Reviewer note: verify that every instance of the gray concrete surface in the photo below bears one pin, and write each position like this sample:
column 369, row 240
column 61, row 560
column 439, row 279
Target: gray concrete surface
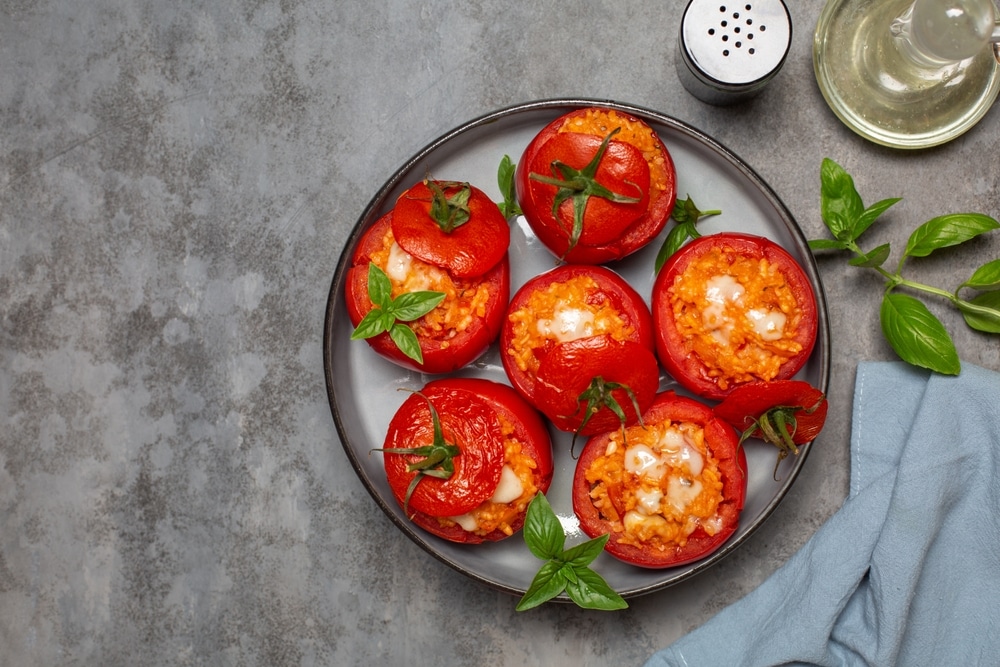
column 177, row 180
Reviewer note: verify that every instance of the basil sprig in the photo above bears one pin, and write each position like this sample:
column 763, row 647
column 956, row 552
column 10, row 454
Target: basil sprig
column 388, row 314
column 686, row 215
column 916, row 334
column 505, row 180
column 565, row 569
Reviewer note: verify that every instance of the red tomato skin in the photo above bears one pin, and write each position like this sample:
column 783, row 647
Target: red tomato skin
column 555, row 236
column 748, row 402
column 464, row 348
column 529, row 429
column 686, row 368
column 568, row 369
column 724, row 445
column 612, row 286
column 469, row 250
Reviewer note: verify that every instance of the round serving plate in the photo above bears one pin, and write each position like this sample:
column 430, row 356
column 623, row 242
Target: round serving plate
column 363, row 387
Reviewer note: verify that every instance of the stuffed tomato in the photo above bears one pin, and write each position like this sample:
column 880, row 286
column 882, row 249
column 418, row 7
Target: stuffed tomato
column 667, row 492
column 465, row 456
column 577, row 343
column 443, row 243
column 729, row 309
column 596, row 185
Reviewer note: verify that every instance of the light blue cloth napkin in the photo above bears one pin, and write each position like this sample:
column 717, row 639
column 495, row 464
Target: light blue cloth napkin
column 907, row 571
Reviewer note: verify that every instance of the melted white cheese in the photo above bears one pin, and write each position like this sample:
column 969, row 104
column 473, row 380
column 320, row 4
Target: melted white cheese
column 720, row 291
column 466, row 521
column 648, row 502
column 414, row 276
column 643, row 461
column 567, row 324
column 768, row 324
column 509, row 489
column 681, row 491
column 677, row 449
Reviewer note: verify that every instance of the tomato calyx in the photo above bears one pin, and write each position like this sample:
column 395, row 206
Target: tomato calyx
column 777, row 426
column 388, row 314
column 439, row 456
column 449, row 211
column 580, row 185
column 598, row 395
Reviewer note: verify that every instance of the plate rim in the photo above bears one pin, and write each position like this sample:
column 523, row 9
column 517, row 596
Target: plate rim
column 554, row 104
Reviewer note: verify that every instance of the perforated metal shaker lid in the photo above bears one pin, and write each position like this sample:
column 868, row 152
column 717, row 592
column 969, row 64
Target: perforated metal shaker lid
column 728, row 51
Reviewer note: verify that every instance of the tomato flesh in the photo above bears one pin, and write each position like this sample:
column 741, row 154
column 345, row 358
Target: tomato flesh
column 670, row 492
column 732, row 308
column 494, row 429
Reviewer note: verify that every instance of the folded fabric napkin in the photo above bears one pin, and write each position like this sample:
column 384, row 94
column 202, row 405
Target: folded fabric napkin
column 907, row 571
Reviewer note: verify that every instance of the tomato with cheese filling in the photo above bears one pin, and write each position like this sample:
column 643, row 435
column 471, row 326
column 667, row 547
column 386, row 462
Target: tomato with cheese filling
column 596, row 185
column 416, row 255
column 496, row 445
column 577, row 341
column 668, row 491
column 729, row 309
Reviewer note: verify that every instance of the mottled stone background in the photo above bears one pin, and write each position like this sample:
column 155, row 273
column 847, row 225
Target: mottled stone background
column 177, row 180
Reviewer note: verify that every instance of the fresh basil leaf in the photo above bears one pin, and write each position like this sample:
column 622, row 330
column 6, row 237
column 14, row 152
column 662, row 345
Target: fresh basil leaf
column 982, row 313
column 379, row 286
column 410, row 305
column 870, row 215
column 840, row 203
column 827, row 244
column 873, row 258
column 917, row 336
column 370, row 325
column 590, row 591
column 583, row 554
column 548, row 582
column 508, row 190
column 542, row 531
column 986, row 278
column 675, row 239
column 947, row 230
column 406, row 341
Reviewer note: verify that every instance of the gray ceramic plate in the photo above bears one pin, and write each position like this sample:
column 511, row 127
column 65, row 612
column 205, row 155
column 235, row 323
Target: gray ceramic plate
column 362, row 387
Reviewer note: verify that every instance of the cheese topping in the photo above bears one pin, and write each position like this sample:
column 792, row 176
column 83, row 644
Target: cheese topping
column 465, row 299
column 737, row 315
column 560, row 312
column 659, row 488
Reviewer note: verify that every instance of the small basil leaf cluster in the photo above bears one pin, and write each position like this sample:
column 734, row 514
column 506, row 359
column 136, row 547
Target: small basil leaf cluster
column 388, row 314
column 916, row 334
column 508, row 190
column 686, row 215
column 565, row 569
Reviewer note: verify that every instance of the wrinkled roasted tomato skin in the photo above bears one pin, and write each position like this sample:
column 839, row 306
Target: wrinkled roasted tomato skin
column 461, row 350
column 537, row 207
column 565, row 385
column 746, row 403
column 689, row 371
column 724, row 445
column 486, row 396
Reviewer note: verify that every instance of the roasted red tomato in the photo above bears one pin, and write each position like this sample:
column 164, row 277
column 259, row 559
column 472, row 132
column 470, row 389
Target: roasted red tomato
column 729, row 309
column 669, row 491
column 596, row 185
column 785, row 413
column 409, row 246
column 465, row 456
column 577, row 344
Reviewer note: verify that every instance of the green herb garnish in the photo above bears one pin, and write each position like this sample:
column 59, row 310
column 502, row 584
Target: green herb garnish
column 565, row 569
column 505, row 179
column 389, row 314
column 685, row 214
column 916, row 334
